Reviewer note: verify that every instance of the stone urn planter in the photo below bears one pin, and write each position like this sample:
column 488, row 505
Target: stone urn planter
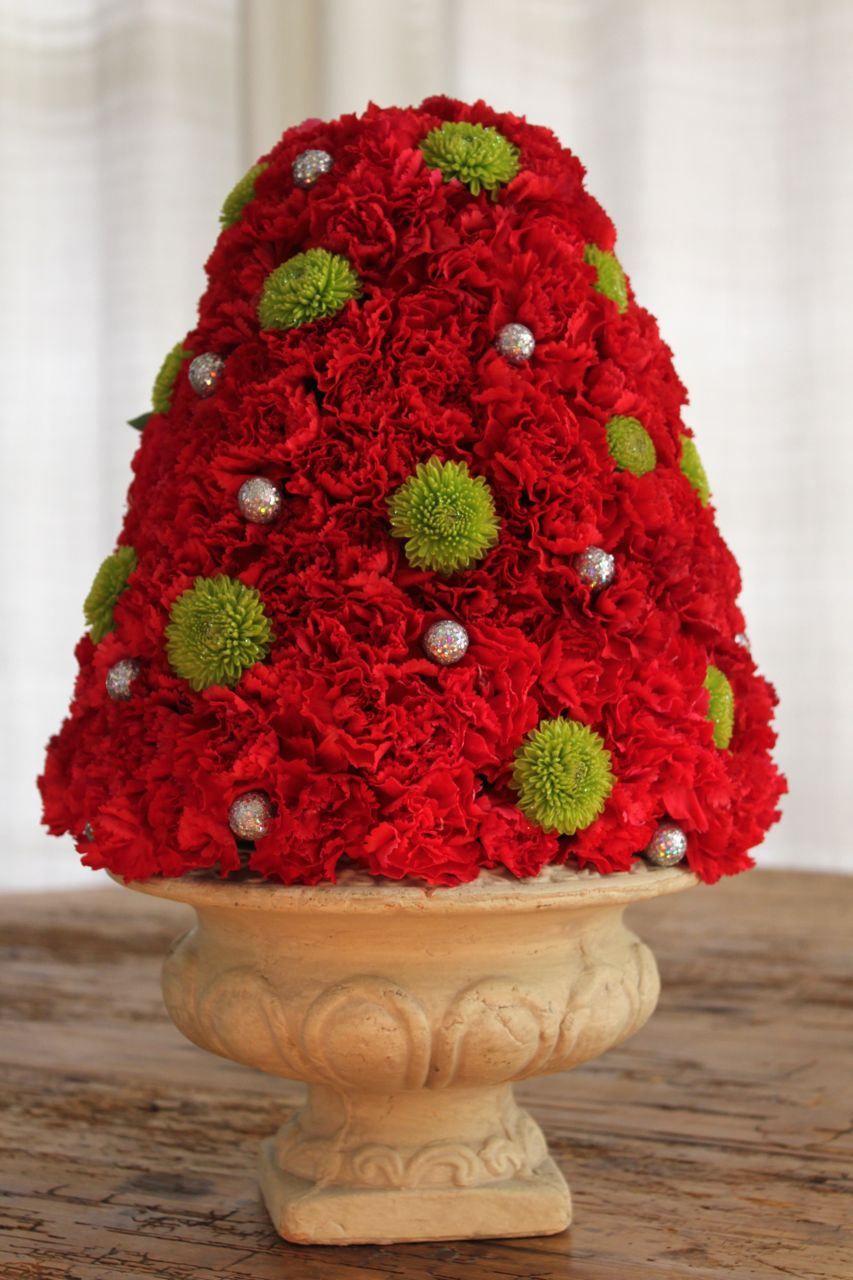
column 409, row 1012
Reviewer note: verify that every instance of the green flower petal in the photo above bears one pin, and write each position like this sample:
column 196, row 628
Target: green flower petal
column 240, row 195
column 164, row 383
column 476, row 154
column 611, row 278
column 721, row 706
column 307, row 287
column 110, row 581
column 217, row 629
column 691, row 466
column 446, row 516
column 631, row 447
column 562, row 775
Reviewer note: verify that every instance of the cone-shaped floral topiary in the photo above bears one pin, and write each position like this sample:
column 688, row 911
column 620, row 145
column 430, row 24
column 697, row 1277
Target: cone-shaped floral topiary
column 426, row 353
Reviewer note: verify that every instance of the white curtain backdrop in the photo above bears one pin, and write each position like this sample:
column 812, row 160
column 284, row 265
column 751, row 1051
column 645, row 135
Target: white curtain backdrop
column 717, row 133
column 119, row 135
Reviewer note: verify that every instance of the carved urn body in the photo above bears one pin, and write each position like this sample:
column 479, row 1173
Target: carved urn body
column 409, row 1013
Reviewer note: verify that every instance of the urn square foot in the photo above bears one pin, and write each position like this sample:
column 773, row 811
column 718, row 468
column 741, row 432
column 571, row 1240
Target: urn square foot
column 306, row 1212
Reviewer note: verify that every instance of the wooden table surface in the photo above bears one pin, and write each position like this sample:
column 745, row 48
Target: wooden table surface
column 717, row 1142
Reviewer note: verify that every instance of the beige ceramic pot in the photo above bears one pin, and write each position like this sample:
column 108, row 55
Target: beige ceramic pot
column 409, row 1013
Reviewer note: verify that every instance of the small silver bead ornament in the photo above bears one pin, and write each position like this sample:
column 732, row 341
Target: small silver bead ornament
column 250, row 815
column 667, row 846
column 515, row 343
column 595, row 567
column 259, row 500
column 120, row 678
column 445, row 642
column 205, row 372
column 309, row 166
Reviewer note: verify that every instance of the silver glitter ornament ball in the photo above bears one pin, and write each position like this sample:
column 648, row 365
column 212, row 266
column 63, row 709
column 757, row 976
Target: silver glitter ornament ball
column 120, row 678
column 205, row 372
column 249, row 816
column 516, row 343
column 446, row 642
column 595, row 567
column 310, row 166
column 667, row 846
column 259, row 500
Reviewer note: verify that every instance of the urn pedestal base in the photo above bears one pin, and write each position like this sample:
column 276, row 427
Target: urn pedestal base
column 367, row 1169
column 409, row 1012
column 307, row 1213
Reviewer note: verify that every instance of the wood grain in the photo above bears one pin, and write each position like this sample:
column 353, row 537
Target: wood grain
column 717, row 1142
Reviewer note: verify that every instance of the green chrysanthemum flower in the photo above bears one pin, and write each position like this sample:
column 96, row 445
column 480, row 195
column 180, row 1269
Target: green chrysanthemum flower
column 631, row 447
column 164, row 383
column 562, row 775
column 476, row 154
column 217, row 629
column 721, row 706
column 446, row 516
column 611, row 277
column 307, row 287
column 240, row 195
column 691, row 466
column 110, row 581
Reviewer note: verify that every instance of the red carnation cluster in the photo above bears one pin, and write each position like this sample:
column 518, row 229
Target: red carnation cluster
column 369, row 751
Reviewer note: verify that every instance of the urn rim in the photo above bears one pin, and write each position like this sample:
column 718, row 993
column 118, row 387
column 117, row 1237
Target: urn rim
column 355, row 891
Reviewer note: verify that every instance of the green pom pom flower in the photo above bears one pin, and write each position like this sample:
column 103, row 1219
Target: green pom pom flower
column 240, row 195
column 307, row 287
column 611, row 277
column 631, row 447
column 691, row 466
column 110, row 581
column 476, row 154
column 721, row 706
column 446, row 516
column 562, row 775
column 217, row 629
column 164, row 383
